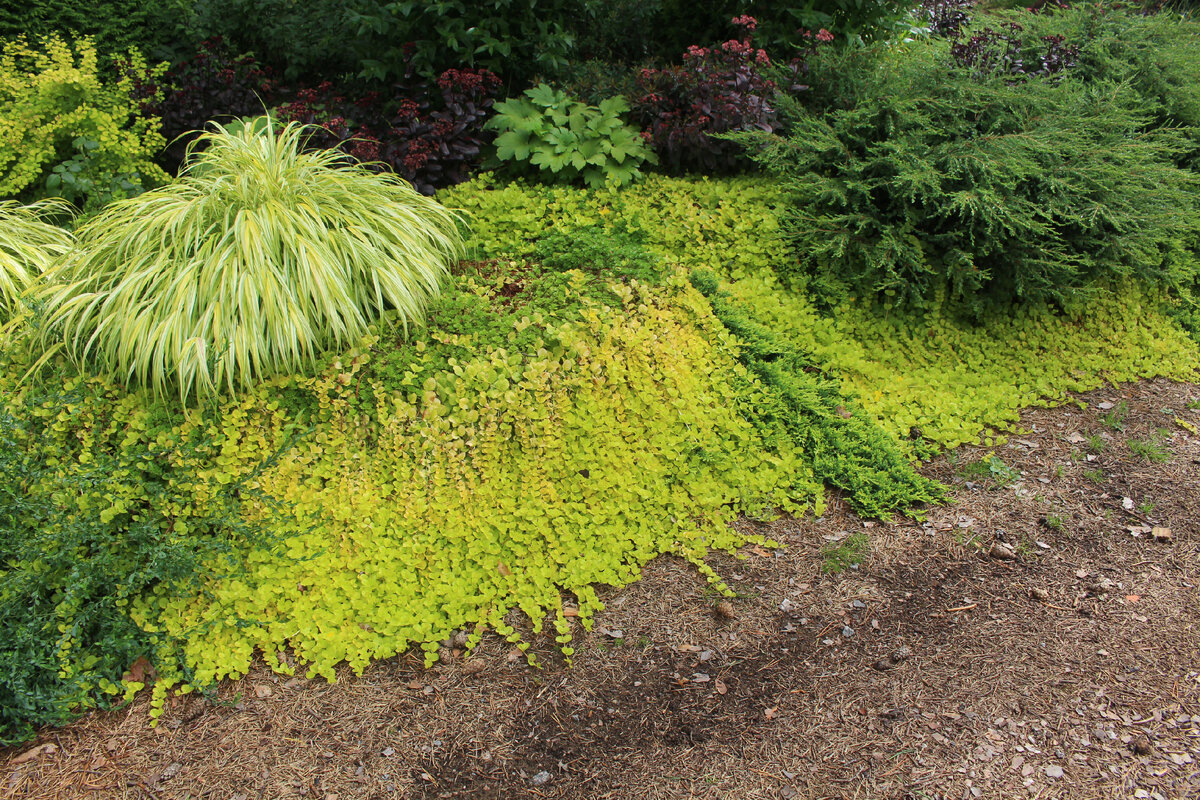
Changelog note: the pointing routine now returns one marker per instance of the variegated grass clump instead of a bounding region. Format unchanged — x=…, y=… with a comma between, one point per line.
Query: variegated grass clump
x=28, y=245
x=258, y=258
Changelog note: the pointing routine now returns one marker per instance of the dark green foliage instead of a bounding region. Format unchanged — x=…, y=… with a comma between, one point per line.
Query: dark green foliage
x=847, y=449
x=633, y=31
x=516, y=39
x=302, y=42
x=925, y=180
x=1157, y=54
x=116, y=25
x=594, y=81
x=83, y=532
x=612, y=253
x=849, y=20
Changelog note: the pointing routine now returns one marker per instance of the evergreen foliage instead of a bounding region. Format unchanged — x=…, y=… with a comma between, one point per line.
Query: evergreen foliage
x=925, y=181
x=848, y=450
x=115, y=25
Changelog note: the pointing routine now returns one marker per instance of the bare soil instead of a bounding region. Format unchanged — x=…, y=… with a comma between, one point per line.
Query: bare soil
x=1034, y=639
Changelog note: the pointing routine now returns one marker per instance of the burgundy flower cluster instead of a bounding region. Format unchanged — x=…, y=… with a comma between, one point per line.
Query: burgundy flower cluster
x=214, y=84
x=715, y=90
x=430, y=134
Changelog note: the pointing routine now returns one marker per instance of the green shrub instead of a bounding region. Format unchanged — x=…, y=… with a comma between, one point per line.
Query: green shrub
x=516, y=39
x=568, y=140
x=63, y=120
x=924, y=181
x=633, y=31
x=256, y=260
x=28, y=245
x=1155, y=53
x=304, y=42
x=594, y=81
x=95, y=512
x=115, y=25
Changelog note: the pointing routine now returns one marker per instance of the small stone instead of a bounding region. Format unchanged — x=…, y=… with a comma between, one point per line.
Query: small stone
x=1054, y=771
x=858, y=604
x=1039, y=594
x=847, y=631
x=540, y=779
x=388, y=752
x=787, y=606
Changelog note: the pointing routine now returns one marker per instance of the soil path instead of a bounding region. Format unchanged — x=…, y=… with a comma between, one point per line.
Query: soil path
x=1037, y=639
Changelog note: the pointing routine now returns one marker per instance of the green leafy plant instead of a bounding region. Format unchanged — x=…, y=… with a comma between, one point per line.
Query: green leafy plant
x=1150, y=450
x=1114, y=418
x=117, y=25
x=259, y=258
x=1094, y=475
x=841, y=556
x=63, y=119
x=1096, y=443
x=29, y=243
x=951, y=378
x=991, y=469
x=1053, y=521
x=569, y=140
x=78, y=181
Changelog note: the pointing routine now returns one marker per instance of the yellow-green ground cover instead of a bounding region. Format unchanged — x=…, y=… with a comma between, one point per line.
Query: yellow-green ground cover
x=413, y=489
